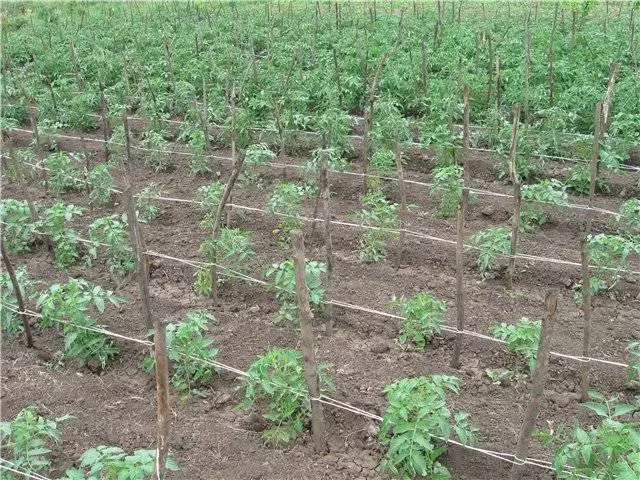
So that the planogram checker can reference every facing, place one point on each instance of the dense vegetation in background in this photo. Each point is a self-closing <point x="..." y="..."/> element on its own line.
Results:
<point x="290" y="63"/>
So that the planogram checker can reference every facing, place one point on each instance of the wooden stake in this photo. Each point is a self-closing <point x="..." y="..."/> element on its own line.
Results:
<point x="106" y="134"/>
<point x="595" y="157"/>
<point x="491" y="62"/>
<point x="584" y="251"/>
<point x="18" y="293"/>
<point x="306" y="338"/>
<point x="464" y="200"/>
<point x="217" y="221"/>
<point x="337" y="73"/>
<point x="537" y="385"/>
<point x="586" y="328"/>
<point x="550" y="56"/>
<point x="159" y="338"/>
<point x="515" y="179"/>
<point x="403" y="202"/>
<point x="169" y="71"/>
<point x="328" y="244"/>
<point x="606" y="105"/>
<point x="137" y="242"/>
<point x="527" y="68"/>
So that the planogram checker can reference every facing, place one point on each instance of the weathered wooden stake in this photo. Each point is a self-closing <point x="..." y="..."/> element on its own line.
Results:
<point x="306" y="339"/>
<point x="159" y="338"/>
<point x="403" y="202"/>
<point x="328" y="244"/>
<point x="584" y="250"/>
<point x="515" y="179"/>
<point x="217" y="221"/>
<point x="551" y="56"/>
<point x="336" y="67"/>
<point x="106" y="134"/>
<point x="527" y="68"/>
<point x="537" y="385"/>
<point x="586" y="329"/>
<point x="464" y="200"/>
<point x="18" y="294"/>
<point x="606" y="105"/>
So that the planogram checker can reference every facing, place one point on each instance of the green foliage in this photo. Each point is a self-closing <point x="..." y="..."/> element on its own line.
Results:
<point x="522" y="338"/>
<point x="11" y="327"/>
<point x="112" y="231"/>
<point x="276" y="385"/>
<point x="629" y="216"/>
<point x="579" y="180"/>
<point x="210" y="196"/>
<point x="106" y="462"/>
<point x="492" y="242"/>
<point x="18" y="227"/>
<point x="155" y="156"/>
<point x="415" y="414"/>
<point x="284" y="286"/>
<point x="190" y="352"/>
<point x="146" y="205"/>
<point x="527" y="168"/>
<point x="535" y="196"/>
<point x="333" y="125"/>
<point x="231" y="249"/>
<point x="610" y="254"/>
<point x="286" y="199"/>
<point x="447" y="186"/>
<point x="62" y="176"/>
<point x="609" y="450"/>
<point x="28" y="437"/>
<point x="100" y="184"/>
<point x="381" y="214"/>
<point x="65" y="240"/>
<point x="423" y="317"/>
<point x="258" y="154"/>
<point x="71" y="303"/>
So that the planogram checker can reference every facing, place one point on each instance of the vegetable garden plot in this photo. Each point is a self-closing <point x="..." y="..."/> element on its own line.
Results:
<point x="75" y="230"/>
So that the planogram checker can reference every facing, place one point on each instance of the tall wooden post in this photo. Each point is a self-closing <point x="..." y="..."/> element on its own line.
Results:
<point x="403" y="202"/>
<point x="159" y="338"/>
<point x="537" y="386"/>
<point x="18" y="294"/>
<point x="328" y="244"/>
<point x="584" y="250"/>
<point x="515" y="179"/>
<point x="527" y="68"/>
<point x="464" y="200"/>
<point x="306" y="338"/>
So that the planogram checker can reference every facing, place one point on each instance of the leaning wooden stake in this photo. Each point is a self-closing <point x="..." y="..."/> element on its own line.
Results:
<point x="464" y="200"/>
<point x="403" y="202"/>
<point x="537" y="386"/>
<point x="515" y="179"/>
<point x="586" y="283"/>
<point x="160" y="345"/>
<point x="217" y="221"/>
<point x="306" y="338"/>
<point x="18" y="294"/>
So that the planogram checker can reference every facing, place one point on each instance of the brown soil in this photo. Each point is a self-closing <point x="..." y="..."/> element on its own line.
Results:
<point x="210" y="440"/>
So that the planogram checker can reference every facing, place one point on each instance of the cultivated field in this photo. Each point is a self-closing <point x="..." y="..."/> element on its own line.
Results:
<point x="455" y="168"/>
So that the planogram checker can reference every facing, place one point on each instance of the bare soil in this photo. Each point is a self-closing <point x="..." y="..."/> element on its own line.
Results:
<point x="211" y="440"/>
